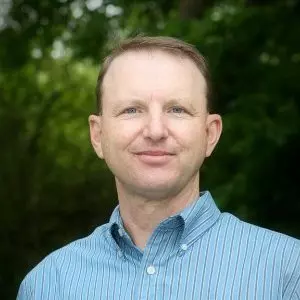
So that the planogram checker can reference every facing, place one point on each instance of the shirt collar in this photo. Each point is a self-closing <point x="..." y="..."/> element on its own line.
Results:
<point x="199" y="217"/>
<point x="196" y="218"/>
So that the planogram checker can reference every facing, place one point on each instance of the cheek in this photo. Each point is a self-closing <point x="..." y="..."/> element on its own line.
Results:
<point x="190" y="135"/>
<point x="118" y="135"/>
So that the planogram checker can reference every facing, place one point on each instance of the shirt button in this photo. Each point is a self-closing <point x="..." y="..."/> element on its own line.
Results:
<point x="120" y="232"/>
<point x="184" y="247"/>
<point x="151" y="270"/>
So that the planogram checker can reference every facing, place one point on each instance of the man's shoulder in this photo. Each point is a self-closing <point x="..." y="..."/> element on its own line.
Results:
<point x="75" y="248"/>
<point x="63" y="260"/>
<point x="278" y="250"/>
<point x="259" y="233"/>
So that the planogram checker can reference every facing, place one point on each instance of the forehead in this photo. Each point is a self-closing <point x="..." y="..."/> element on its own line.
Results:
<point x="153" y="69"/>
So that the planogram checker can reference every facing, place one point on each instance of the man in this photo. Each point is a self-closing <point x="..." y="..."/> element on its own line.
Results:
<point x="165" y="240"/>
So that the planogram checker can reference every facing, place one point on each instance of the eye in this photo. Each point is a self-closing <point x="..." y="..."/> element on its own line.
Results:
<point x="130" y="110"/>
<point x="177" y="110"/>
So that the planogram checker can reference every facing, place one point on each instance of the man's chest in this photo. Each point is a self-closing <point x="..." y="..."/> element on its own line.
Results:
<point x="185" y="274"/>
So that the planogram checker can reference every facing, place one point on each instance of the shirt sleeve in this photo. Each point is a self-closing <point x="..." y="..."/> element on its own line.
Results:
<point x="291" y="289"/>
<point x="40" y="283"/>
<point x="25" y="291"/>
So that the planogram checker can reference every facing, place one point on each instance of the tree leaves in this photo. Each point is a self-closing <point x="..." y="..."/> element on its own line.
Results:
<point x="54" y="189"/>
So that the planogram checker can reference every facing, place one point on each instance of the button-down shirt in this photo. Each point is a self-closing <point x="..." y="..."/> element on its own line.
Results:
<point x="199" y="253"/>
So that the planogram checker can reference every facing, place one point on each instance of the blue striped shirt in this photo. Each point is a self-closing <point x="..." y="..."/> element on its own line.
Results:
<point x="198" y="254"/>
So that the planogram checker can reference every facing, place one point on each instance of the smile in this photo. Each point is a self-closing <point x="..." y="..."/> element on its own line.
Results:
<point x="154" y="157"/>
<point x="154" y="153"/>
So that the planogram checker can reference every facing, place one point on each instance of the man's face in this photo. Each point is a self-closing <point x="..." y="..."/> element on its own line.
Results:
<point x="154" y="131"/>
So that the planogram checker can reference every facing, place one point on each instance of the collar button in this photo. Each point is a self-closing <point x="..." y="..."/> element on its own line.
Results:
<point x="184" y="247"/>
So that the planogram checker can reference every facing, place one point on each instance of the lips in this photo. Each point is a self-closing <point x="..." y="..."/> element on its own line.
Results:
<point x="154" y="153"/>
<point x="154" y="158"/>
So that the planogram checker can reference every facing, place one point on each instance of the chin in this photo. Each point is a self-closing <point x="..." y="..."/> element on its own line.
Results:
<point x="157" y="189"/>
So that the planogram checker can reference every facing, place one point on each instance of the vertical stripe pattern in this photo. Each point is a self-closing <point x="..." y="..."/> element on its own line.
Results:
<point x="198" y="254"/>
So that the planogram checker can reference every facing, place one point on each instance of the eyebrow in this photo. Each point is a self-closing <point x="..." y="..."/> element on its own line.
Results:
<point x="128" y="103"/>
<point x="142" y="103"/>
<point x="133" y="102"/>
<point x="179" y="101"/>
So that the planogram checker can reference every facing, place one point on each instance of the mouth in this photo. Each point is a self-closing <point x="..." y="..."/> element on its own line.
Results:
<point x="154" y="157"/>
<point x="154" y="153"/>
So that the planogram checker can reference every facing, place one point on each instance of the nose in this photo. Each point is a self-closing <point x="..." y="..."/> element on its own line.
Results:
<point x="155" y="127"/>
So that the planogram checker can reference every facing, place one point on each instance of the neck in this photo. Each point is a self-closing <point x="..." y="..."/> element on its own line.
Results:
<point x="141" y="215"/>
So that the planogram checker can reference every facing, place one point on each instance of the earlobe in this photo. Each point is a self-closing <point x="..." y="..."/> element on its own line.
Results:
<point x="214" y="130"/>
<point x="95" y="124"/>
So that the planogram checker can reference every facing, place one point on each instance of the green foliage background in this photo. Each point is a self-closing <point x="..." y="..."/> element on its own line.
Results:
<point x="53" y="189"/>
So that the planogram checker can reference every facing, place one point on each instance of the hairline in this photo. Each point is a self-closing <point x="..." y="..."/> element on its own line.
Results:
<point x="189" y="53"/>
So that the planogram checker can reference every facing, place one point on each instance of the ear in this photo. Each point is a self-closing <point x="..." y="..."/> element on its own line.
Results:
<point x="214" y="130"/>
<point x="95" y="123"/>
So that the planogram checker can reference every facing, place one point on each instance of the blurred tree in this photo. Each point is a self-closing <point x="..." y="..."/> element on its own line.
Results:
<point x="193" y="8"/>
<point x="49" y="174"/>
<point x="53" y="188"/>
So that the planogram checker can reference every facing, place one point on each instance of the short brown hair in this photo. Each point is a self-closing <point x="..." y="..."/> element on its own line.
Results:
<point x="163" y="43"/>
